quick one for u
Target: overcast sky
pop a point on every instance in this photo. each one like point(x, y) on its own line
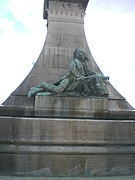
point(110, 32)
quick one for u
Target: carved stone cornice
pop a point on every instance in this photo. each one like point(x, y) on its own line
point(65, 12)
point(80, 3)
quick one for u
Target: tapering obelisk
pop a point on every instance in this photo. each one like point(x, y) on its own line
point(64, 135)
point(65, 32)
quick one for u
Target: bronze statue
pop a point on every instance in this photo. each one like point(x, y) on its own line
point(79, 79)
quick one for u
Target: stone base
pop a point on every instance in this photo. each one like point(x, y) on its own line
point(66, 147)
point(67, 136)
point(74, 107)
point(67, 165)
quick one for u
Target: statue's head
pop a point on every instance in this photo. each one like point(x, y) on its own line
point(79, 54)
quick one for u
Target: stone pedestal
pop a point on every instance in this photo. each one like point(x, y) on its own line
point(74, 107)
point(66, 147)
point(67, 136)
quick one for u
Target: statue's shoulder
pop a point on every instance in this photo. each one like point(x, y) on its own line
point(74, 61)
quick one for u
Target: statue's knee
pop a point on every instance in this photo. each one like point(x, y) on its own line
point(58, 89)
point(42, 83)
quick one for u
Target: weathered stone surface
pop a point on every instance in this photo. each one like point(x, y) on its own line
point(6, 130)
point(14, 111)
point(54, 102)
point(66, 147)
point(73, 131)
point(82, 3)
point(67, 131)
point(58, 106)
point(69, 165)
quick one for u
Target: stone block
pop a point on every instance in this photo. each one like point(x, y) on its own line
point(67, 165)
point(58, 106)
point(6, 128)
point(66, 147)
point(66, 131)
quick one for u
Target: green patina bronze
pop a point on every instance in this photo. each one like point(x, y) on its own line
point(80, 79)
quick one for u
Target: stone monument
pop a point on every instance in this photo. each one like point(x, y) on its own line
point(65, 118)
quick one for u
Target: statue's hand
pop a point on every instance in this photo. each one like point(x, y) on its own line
point(81, 78)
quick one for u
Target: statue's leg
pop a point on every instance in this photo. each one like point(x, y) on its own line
point(101, 85)
point(87, 86)
point(95, 85)
point(34, 91)
point(57, 89)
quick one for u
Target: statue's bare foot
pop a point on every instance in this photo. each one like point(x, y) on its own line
point(31, 93)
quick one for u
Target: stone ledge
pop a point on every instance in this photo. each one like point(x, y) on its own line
point(54, 131)
point(48, 112)
point(15, 111)
point(70, 150)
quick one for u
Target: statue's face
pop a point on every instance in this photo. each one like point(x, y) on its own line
point(81, 56)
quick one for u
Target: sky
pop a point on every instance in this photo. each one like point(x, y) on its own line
point(110, 32)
